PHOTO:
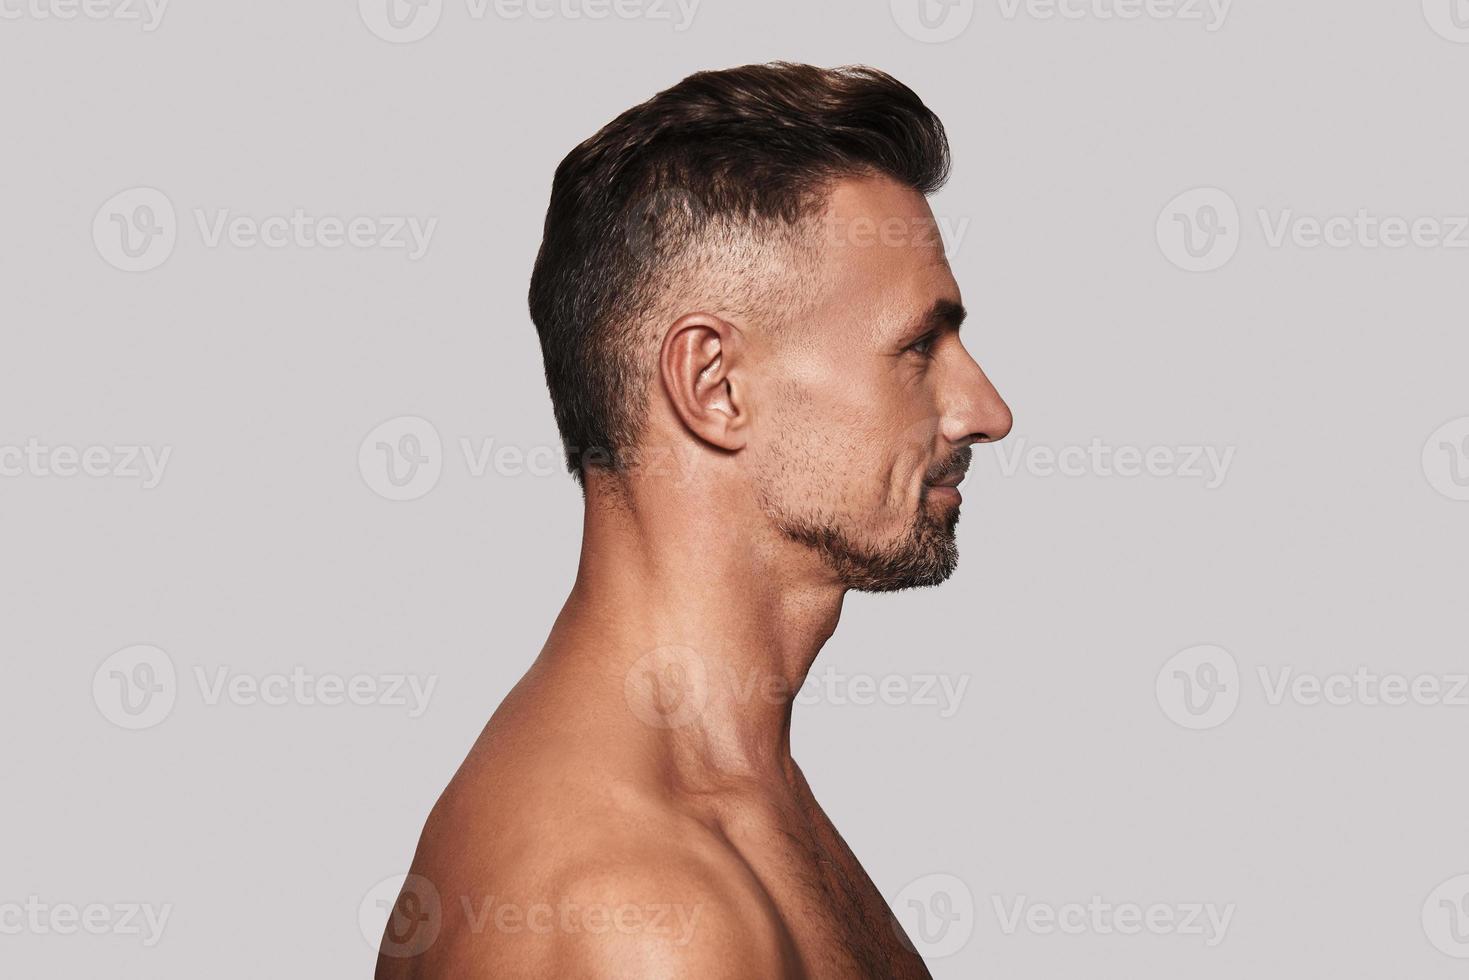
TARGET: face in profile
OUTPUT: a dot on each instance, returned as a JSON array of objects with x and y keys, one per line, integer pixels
[{"x": 875, "y": 400}]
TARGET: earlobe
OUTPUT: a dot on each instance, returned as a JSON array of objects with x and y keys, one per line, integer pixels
[{"x": 699, "y": 366}]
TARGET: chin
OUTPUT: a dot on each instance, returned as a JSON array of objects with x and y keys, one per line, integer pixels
[
  {"x": 931, "y": 572},
  {"x": 925, "y": 553},
  {"x": 926, "y": 556}
]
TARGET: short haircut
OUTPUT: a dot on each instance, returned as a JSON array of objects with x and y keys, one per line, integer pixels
[{"x": 746, "y": 151}]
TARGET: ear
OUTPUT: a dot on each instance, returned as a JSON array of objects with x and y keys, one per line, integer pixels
[{"x": 700, "y": 368}]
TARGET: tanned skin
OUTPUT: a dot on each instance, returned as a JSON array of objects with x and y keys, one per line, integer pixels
[{"x": 632, "y": 772}]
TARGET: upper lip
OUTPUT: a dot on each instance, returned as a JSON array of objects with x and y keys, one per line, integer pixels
[{"x": 951, "y": 480}]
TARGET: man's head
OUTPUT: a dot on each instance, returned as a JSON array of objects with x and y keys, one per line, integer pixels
[{"x": 745, "y": 267}]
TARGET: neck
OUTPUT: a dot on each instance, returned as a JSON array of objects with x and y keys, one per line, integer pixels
[{"x": 702, "y": 625}]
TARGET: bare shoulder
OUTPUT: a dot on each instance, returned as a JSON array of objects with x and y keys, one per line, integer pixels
[
  {"x": 571, "y": 877},
  {"x": 667, "y": 915}
]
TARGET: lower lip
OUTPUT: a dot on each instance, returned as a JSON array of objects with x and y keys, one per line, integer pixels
[{"x": 947, "y": 493}]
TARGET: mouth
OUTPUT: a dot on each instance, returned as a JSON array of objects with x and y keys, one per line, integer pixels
[
  {"x": 947, "y": 487},
  {"x": 946, "y": 484}
]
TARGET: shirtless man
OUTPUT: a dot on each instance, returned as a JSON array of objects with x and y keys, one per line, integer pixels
[{"x": 751, "y": 339}]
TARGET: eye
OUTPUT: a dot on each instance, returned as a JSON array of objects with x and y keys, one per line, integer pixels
[{"x": 923, "y": 346}]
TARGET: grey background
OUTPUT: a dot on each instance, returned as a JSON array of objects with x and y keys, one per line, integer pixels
[{"x": 1060, "y": 777}]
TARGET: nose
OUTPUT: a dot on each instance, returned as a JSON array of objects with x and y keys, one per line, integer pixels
[{"x": 973, "y": 410}]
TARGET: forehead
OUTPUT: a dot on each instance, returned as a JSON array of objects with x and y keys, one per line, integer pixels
[{"x": 882, "y": 262}]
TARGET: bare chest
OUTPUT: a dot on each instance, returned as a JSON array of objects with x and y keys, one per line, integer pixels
[{"x": 839, "y": 922}]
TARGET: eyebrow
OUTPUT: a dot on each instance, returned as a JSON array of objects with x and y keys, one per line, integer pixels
[{"x": 943, "y": 313}]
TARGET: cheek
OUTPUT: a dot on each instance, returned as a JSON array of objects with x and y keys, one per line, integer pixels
[
  {"x": 825, "y": 445},
  {"x": 913, "y": 436},
  {"x": 890, "y": 438},
  {"x": 852, "y": 438},
  {"x": 910, "y": 429},
  {"x": 874, "y": 465}
]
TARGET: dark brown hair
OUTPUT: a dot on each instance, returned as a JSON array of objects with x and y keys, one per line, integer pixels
[{"x": 753, "y": 146}]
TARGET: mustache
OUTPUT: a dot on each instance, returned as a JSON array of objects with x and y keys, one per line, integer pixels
[{"x": 957, "y": 464}]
